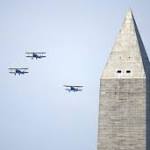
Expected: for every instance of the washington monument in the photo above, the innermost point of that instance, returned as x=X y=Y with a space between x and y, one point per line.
x=124 y=108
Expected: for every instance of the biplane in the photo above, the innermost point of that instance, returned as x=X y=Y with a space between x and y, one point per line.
x=18 y=71
x=73 y=88
x=37 y=55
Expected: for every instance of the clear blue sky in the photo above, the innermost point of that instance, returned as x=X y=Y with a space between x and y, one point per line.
x=36 y=113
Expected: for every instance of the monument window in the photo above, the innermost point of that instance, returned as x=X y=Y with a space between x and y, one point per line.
x=128 y=71
x=118 y=71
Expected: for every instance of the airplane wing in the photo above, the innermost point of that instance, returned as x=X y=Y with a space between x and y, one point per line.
x=35 y=52
x=29 y=52
x=73 y=86
x=67 y=86
x=68 y=90
x=17 y=68
x=42 y=56
x=77 y=86
x=79 y=90
x=25 y=72
x=29 y=56
x=23 y=68
x=12 y=68
x=12 y=72
x=40 y=52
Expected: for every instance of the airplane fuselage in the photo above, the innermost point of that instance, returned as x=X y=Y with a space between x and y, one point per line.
x=19 y=72
x=73 y=89
x=34 y=55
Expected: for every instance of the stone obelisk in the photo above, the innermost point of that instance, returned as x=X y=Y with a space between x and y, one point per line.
x=124 y=106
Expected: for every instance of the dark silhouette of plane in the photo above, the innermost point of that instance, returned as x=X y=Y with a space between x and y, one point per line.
x=37 y=55
x=18 y=71
x=73 y=88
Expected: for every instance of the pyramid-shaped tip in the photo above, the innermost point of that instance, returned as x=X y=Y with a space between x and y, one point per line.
x=129 y=14
x=130 y=11
x=128 y=53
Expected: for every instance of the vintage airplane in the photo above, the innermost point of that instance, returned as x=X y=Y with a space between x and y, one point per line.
x=18 y=71
x=73 y=88
x=37 y=55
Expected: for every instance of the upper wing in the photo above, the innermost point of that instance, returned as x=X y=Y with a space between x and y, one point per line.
x=35 y=52
x=77 y=86
x=29 y=52
x=73 y=86
x=12 y=68
x=17 y=68
x=23 y=68
x=40 y=52
x=67 y=86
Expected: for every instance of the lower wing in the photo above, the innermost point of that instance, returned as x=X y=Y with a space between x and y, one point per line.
x=79 y=90
x=25 y=72
x=68 y=90
x=42 y=56
x=29 y=56
x=12 y=72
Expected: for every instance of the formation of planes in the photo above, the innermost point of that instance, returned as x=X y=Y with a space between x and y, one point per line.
x=21 y=71
x=39 y=55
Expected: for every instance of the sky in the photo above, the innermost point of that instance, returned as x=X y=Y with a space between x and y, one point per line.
x=36 y=113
